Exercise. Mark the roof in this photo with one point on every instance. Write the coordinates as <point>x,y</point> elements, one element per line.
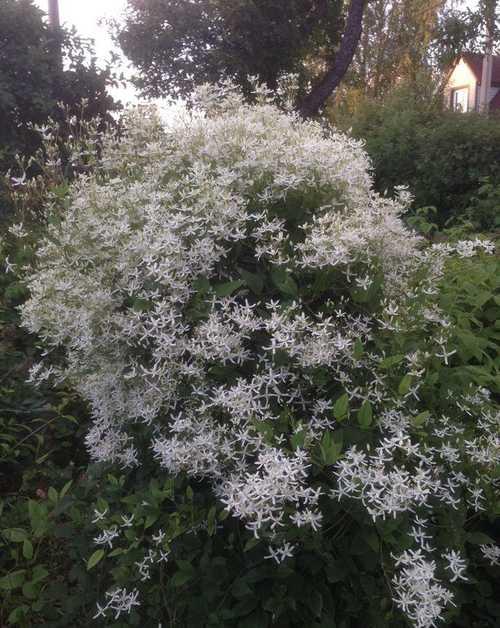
<point>475,62</point>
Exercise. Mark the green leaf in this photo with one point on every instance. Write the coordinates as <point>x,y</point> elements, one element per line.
<point>420,419</point>
<point>38,514</point>
<point>478,538</point>
<point>251,543</point>
<point>201,285</point>
<point>225,289</point>
<point>12,580</point>
<point>284,281</point>
<point>372,541</point>
<point>65,489</point>
<point>73,419</point>
<point>358,349</point>
<point>102,504</point>
<point>185,565</point>
<point>39,573</point>
<point>180,578</point>
<point>52,493</point>
<point>27,549</point>
<point>298,439</point>
<point>265,429</point>
<point>253,281</point>
<point>140,305</point>
<point>31,590</point>
<point>151,519</point>
<point>95,558</point>
<point>340,407</point>
<point>18,614</point>
<point>330,448</point>
<point>224,514</point>
<point>404,384</point>
<point>16,535</point>
<point>365,414</point>
<point>391,361</point>
<point>240,589</point>
<point>211,521</point>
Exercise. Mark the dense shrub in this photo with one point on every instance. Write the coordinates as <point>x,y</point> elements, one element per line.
<point>442,156</point>
<point>292,422</point>
<point>41,428</point>
<point>483,211</point>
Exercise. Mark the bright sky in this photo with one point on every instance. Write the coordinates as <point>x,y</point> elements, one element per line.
<point>89,16</point>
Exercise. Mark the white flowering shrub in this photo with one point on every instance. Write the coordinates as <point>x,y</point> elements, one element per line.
<point>234,300</point>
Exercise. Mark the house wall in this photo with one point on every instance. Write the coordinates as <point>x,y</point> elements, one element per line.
<point>462,76</point>
<point>492,92</point>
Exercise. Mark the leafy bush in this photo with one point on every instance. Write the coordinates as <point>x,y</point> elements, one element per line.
<point>484,208</point>
<point>442,156</point>
<point>41,428</point>
<point>292,422</point>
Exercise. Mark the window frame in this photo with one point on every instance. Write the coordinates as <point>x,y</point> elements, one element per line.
<point>454,92</point>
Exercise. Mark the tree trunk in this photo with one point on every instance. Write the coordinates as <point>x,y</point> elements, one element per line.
<point>484,90</point>
<point>54,21</point>
<point>316,98</point>
<point>55,27</point>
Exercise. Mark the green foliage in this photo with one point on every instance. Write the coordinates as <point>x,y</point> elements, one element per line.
<point>442,156</point>
<point>458,30</point>
<point>471,297</point>
<point>40,454</point>
<point>33,80</point>
<point>484,209</point>
<point>215,40</point>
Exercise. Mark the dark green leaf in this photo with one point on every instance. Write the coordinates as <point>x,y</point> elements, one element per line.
<point>27,549</point>
<point>341,407</point>
<point>365,414</point>
<point>253,281</point>
<point>420,419</point>
<point>180,578</point>
<point>13,580</point>
<point>226,289</point>
<point>404,384</point>
<point>95,558</point>
<point>284,281</point>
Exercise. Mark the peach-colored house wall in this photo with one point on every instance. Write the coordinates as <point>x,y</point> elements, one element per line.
<point>462,76</point>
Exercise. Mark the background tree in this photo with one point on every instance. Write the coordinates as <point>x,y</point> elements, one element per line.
<point>177,45</point>
<point>408,40</point>
<point>33,81</point>
<point>395,43</point>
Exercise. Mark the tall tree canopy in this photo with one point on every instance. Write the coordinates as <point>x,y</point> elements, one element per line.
<point>407,40</point>
<point>33,80</point>
<point>178,44</point>
<point>395,42</point>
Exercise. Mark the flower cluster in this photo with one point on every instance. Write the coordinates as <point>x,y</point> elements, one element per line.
<point>417,590</point>
<point>118,601</point>
<point>211,283</point>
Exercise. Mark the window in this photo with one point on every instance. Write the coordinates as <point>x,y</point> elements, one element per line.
<point>460,99</point>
